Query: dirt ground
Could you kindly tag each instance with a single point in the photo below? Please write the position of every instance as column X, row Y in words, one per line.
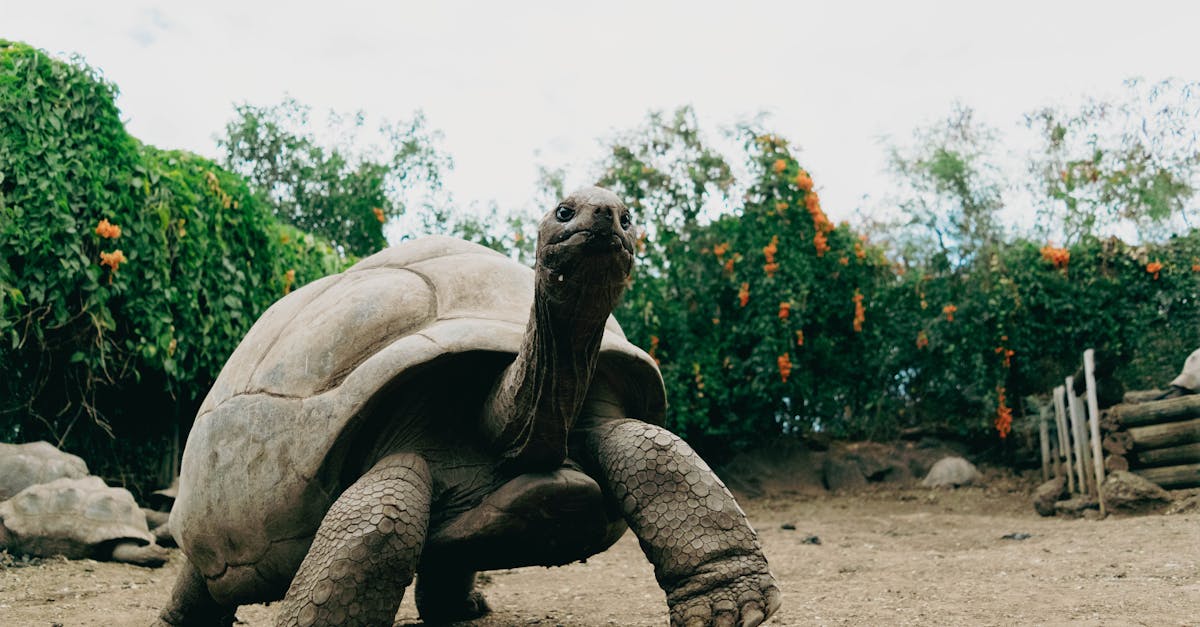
column 887, row 554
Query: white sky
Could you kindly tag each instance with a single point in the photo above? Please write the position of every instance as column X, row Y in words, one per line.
column 517, row 84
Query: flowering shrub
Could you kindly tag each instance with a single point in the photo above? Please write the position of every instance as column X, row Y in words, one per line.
column 126, row 272
column 942, row 347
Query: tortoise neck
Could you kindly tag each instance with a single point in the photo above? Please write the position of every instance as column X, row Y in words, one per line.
column 534, row 404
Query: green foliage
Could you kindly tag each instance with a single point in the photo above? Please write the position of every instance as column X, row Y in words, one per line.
column 344, row 193
column 129, row 274
column 949, row 191
column 1132, row 160
column 751, row 309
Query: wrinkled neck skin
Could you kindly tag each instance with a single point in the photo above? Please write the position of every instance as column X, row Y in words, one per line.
column 534, row 404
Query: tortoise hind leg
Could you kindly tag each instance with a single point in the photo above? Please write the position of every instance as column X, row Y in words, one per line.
column 448, row 595
column 148, row 555
column 192, row 605
column 365, row 550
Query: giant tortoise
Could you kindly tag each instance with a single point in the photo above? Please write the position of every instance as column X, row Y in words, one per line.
column 31, row 463
column 78, row 518
column 437, row 410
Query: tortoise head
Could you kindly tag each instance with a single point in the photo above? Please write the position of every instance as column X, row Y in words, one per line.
column 585, row 249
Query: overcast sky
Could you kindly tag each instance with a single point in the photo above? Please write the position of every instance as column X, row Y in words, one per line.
column 516, row 84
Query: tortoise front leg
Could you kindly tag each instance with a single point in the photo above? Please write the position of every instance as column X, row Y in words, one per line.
column 705, row 554
column 365, row 550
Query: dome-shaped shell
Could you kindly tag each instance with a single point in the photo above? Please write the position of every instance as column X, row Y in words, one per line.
column 71, row 517
column 23, row 465
column 255, row 481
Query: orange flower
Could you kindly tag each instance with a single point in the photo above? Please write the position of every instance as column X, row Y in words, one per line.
column 1007, row 353
column 1003, row 415
column 113, row 260
column 799, row 338
column 922, row 340
column 804, row 181
column 781, row 206
column 1060, row 257
column 859, row 251
column 820, row 243
column 379, row 214
column 770, row 249
column 845, row 261
column 654, row 348
column 108, row 230
column 720, row 249
column 744, row 294
column 785, row 308
column 949, row 311
column 860, row 312
column 1154, row 268
column 289, row 278
column 769, row 253
column 785, row 367
column 779, row 166
column 729, row 265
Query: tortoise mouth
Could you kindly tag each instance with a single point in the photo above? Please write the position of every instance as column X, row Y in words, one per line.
column 595, row 242
column 601, row 256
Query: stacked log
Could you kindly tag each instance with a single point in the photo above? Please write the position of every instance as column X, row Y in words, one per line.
column 1157, row 439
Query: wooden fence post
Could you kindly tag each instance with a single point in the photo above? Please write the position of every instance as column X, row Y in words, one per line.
column 1064, row 436
column 1082, row 454
column 1093, row 407
column 1044, row 438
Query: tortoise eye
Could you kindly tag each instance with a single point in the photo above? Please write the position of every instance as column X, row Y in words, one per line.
column 564, row 213
column 625, row 220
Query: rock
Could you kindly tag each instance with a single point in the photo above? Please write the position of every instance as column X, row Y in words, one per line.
column 1186, row 505
column 1048, row 494
column 1126, row 493
column 841, row 474
column 1076, row 507
column 951, row 472
column 810, row 539
column 1016, row 535
column 788, row 526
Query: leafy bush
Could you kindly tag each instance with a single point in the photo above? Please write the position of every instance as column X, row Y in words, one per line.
column 770, row 321
column 128, row 274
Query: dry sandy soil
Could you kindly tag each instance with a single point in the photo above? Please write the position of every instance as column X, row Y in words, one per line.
column 886, row 556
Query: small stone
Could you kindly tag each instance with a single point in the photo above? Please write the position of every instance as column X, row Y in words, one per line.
column 811, row 540
column 1017, row 535
column 1048, row 494
column 1127, row 493
column 951, row 472
column 788, row 526
column 1076, row 506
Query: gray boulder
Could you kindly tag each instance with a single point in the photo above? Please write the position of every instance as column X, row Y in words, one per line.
column 1048, row 494
column 951, row 472
column 842, row 474
column 1126, row 493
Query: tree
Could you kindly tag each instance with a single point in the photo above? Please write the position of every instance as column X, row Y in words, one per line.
column 345, row 192
column 949, row 191
column 1132, row 160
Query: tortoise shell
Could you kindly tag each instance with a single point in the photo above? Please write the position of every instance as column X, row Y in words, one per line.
column 267, row 454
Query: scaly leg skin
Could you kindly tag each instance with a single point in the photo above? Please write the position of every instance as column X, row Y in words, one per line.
column 446, row 596
column 192, row 606
column 366, row 549
column 705, row 554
